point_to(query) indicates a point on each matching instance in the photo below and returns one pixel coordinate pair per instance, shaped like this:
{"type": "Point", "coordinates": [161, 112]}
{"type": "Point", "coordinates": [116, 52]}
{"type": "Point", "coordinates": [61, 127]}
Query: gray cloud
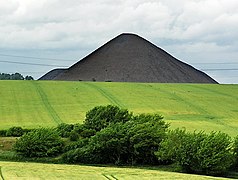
{"type": "Point", "coordinates": [195, 30]}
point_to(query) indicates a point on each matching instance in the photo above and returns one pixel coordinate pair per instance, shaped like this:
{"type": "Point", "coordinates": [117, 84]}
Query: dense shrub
{"type": "Point", "coordinates": [15, 76]}
{"type": "Point", "coordinates": [39, 143]}
{"type": "Point", "coordinates": [73, 135]}
{"type": "Point", "coordinates": [15, 131]}
{"type": "Point", "coordinates": [79, 128]}
{"type": "Point", "coordinates": [235, 151]}
{"type": "Point", "coordinates": [113, 135]}
{"type": "Point", "coordinates": [170, 146]}
{"type": "Point", "coordinates": [73, 152]}
{"type": "Point", "coordinates": [214, 154]}
{"type": "Point", "coordinates": [131, 142]}
{"type": "Point", "coordinates": [76, 144]}
{"type": "Point", "coordinates": [146, 133]}
{"type": "Point", "coordinates": [3, 133]}
{"type": "Point", "coordinates": [64, 129]}
{"type": "Point", "coordinates": [101, 116]}
{"type": "Point", "coordinates": [198, 152]}
{"type": "Point", "coordinates": [87, 133]}
{"type": "Point", "coordinates": [83, 131]}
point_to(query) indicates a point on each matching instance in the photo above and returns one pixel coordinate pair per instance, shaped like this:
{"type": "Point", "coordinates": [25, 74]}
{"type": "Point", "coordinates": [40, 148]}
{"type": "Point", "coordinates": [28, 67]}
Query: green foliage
{"type": "Point", "coordinates": [15, 131]}
{"type": "Point", "coordinates": [113, 135]}
{"type": "Point", "coordinates": [125, 142]}
{"type": "Point", "coordinates": [79, 128]}
{"type": "Point", "coordinates": [76, 144]}
{"type": "Point", "coordinates": [39, 143]}
{"type": "Point", "coordinates": [29, 78]}
{"type": "Point", "coordinates": [73, 135]}
{"type": "Point", "coordinates": [83, 132]}
{"type": "Point", "coordinates": [15, 76]}
{"type": "Point", "coordinates": [3, 133]}
{"type": "Point", "coordinates": [214, 154]}
{"type": "Point", "coordinates": [110, 145]}
{"type": "Point", "coordinates": [64, 129]}
{"type": "Point", "coordinates": [170, 145]}
{"type": "Point", "coordinates": [235, 150]}
{"type": "Point", "coordinates": [145, 135]}
{"type": "Point", "coordinates": [73, 152]}
{"type": "Point", "coordinates": [101, 116]}
{"type": "Point", "coordinates": [198, 152]}
{"type": "Point", "coordinates": [86, 133]}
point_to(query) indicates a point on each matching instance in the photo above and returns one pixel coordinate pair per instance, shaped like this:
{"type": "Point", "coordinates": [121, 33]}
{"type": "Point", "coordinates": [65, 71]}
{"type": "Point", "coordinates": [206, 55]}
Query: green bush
{"type": "Point", "coordinates": [235, 151]}
{"type": "Point", "coordinates": [3, 133]}
{"type": "Point", "coordinates": [83, 131]}
{"type": "Point", "coordinates": [79, 128]}
{"type": "Point", "coordinates": [129, 142]}
{"type": "Point", "coordinates": [170, 145]}
{"type": "Point", "coordinates": [39, 143]}
{"type": "Point", "coordinates": [197, 152]}
{"type": "Point", "coordinates": [78, 152]}
{"type": "Point", "coordinates": [64, 129]}
{"type": "Point", "coordinates": [146, 133]}
{"type": "Point", "coordinates": [87, 133]}
{"type": "Point", "coordinates": [76, 144]}
{"type": "Point", "coordinates": [73, 136]}
{"type": "Point", "coordinates": [214, 154]}
{"type": "Point", "coordinates": [15, 131]}
{"type": "Point", "coordinates": [101, 116]}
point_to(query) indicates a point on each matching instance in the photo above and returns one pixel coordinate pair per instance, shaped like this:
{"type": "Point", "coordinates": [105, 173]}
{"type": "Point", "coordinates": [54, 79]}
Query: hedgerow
{"type": "Point", "coordinates": [113, 135]}
{"type": "Point", "coordinates": [39, 143]}
{"type": "Point", "coordinates": [198, 152]}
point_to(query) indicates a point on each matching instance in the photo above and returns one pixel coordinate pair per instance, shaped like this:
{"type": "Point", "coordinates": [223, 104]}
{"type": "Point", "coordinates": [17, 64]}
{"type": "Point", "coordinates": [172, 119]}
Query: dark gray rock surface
{"type": "Point", "coordinates": [131, 58]}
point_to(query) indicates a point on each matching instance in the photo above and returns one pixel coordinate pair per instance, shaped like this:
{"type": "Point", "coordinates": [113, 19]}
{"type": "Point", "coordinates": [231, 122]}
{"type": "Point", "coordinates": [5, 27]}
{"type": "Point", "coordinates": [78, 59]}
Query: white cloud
{"type": "Point", "coordinates": [30, 22]}
{"type": "Point", "coordinates": [185, 27]}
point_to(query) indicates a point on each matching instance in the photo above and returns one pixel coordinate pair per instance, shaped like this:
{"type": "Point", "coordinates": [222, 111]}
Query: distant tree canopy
{"type": "Point", "coordinates": [15, 76]}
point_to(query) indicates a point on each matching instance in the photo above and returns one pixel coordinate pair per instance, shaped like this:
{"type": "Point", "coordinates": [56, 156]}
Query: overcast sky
{"type": "Point", "coordinates": [203, 33]}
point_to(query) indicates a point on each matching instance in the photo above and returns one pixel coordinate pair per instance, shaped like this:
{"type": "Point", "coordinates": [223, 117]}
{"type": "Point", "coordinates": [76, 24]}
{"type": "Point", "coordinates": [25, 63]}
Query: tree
{"type": "Point", "coordinates": [101, 116]}
{"type": "Point", "coordinates": [64, 129]}
{"type": "Point", "coordinates": [15, 76]}
{"type": "Point", "coordinates": [145, 135]}
{"type": "Point", "coordinates": [198, 152]}
{"type": "Point", "coordinates": [29, 78]}
{"type": "Point", "coordinates": [170, 146]}
{"type": "Point", "coordinates": [15, 131]}
{"type": "Point", "coordinates": [39, 143]}
{"type": "Point", "coordinates": [123, 142]}
{"type": "Point", "coordinates": [235, 150]}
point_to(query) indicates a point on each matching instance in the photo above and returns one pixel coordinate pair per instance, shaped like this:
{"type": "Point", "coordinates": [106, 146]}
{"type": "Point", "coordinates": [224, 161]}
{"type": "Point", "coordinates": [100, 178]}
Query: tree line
{"type": "Point", "coordinates": [15, 76]}
{"type": "Point", "coordinates": [110, 135]}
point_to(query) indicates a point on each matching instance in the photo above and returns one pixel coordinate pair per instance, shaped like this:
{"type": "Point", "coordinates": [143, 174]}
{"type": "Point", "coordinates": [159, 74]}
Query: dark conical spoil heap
{"type": "Point", "coordinates": [130, 58]}
{"type": "Point", "coordinates": [52, 74]}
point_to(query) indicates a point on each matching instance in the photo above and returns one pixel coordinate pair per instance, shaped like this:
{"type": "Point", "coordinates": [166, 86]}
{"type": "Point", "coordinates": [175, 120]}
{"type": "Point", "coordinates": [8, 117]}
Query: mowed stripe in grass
{"type": "Point", "coordinates": [21, 106]}
{"type": "Point", "coordinates": [53, 114]}
{"type": "Point", "coordinates": [19, 170]}
{"type": "Point", "coordinates": [193, 106]}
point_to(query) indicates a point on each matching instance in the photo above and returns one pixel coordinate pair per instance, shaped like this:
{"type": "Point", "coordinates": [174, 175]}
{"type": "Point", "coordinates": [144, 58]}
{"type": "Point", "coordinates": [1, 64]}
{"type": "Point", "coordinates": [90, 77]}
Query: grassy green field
{"type": "Point", "coordinates": [32, 104]}
{"type": "Point", "coordinates": [13, 170]}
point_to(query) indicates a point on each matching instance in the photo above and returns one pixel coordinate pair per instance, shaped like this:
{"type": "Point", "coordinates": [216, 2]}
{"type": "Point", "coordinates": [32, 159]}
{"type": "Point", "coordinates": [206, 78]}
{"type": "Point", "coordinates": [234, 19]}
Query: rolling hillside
{"type": "Point", "coordinates": [47, 103]}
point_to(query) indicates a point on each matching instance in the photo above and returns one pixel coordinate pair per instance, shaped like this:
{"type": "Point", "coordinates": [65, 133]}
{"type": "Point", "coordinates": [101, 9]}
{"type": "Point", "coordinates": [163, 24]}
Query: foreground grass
{"type": "Point", "coordinates": [17, 170]}
{"type": "Point", "coordinates": [32, 104]}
